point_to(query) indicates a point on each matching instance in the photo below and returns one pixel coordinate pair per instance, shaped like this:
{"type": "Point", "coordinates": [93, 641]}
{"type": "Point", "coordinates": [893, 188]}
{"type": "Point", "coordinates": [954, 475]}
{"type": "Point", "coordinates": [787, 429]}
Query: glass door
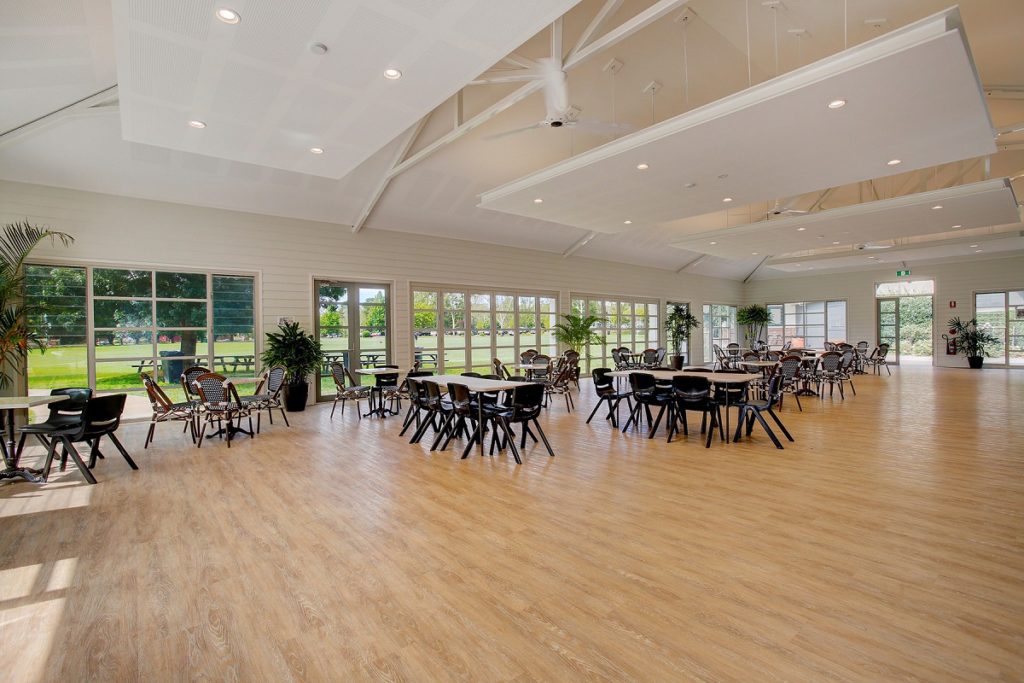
{"type": "Point", "coordinates": [352, 323]}
{"type": "Point", "coordinates": [889, 326]}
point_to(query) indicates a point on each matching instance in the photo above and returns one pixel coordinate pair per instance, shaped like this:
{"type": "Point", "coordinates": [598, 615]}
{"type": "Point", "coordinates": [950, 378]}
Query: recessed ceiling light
{"type": "Point", "coordinates": [228, 15]}
{"type": "Point", "coordinates": [810, 267]}
{"type": "Point", "coordinates": [800, 229]}
{"type": "Point", "coordinates": [837, 104]}
{"type": "Point", "coordinates": [392, 74]}
{"type": "Point", "coordinates": [642, 167]}
{"type": "Point", "coordinates": [936, 207]}
{"type": "Point", "coordinates": [318, 49]}
{"type": "Point", "coordinates": [713, 243]}
{"type": "Point", "coordinates": [973, 246]}
{"type": "Point", "coordinates": [627, 222]}
{"type": "Point", "coordinates": [894, 162]}
{"type": "Point", "coordinates": [978, 251]}
{"type": "Point", "coordinates": [316, 150]}
{"type": "Point", "coordinates": [958, 226]}
{"type": "Point", "coordinates": [727, 199]}
{"type": "Point", "coordinates": [753, 253]}
{"type": "Point", "coordinates": [690, 186]}
{"type": "Point", "coordinates": [723, 176]}
{"type": "Point", "coordinates": [538, 200]}
{"type": "Point", "coordinates": [195, 123]}
{"type": "Point", "coordinates": [871, 257]}
{"type": "Point", "coordinates": [836, 242]}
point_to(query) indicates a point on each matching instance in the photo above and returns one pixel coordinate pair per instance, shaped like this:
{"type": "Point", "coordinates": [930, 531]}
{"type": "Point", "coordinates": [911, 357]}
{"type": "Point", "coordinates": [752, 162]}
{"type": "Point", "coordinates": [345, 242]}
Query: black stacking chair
{"type": "Point", "coordinates": [521, 406]}
{"type": "Point", "coordinates": [647, 393]}
{"type": "Point", "coordinates": [100, 417]}
{"type": "Point", "coordinates": [604, 387]}
{"type": "Point", "coordinates": [752, 410]}
{"type": "Point", "coordinates": [461, 419]}
{"type": "Point", "coordinates": [693, 393]}
{"type": "Point", "coordinates": [437, 409]}
{"type": "Point", "coordinates": [62, 414]}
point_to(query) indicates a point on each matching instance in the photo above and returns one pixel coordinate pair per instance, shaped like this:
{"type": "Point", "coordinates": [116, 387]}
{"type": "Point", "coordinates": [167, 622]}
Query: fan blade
{"type": "Point", "coordinates": [515, 131]}
{"type": "Point", "coordinates": [602, 127]}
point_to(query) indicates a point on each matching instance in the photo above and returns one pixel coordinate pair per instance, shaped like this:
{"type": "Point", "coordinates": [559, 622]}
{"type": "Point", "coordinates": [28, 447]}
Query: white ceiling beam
{"type": "Point", "coordinates": [608, 9]}
{"type": "Point", "coordinates": [399, 156]}
{"type": "Point", "coordinates": [692, 263]}
{"type": "Point", "coordinates": [515, 77]}
{"type": "Point", "coordinates": [46, 120]}
{"type": "Point", "coordinates": [579, 244]}
{"type": "Point", "coordinates": [1012, 128]}
{"type": "Point", "coordinates": [756, 268]}
{"type": "Point", "coordinates": [521, 61]}
{"type": "Point", "coordinates": [625, 30]}
{"type": "Point", "coordinates": [474, 122]}
{"type": "Point", "coordinates": [556, 41]}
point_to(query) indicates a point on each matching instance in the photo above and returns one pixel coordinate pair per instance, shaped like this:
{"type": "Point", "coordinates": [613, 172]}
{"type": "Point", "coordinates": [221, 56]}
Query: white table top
{"type": "Point", "coordinates": [716, 377]}
{"type": "Point", "coordinates": [14, 402]}
{"type": "Point", "coordinates": [471, 383]}
{"type": "Point", "coordinates": [758, 363]}
{"type": "Point", "coordinates": [378, 371]}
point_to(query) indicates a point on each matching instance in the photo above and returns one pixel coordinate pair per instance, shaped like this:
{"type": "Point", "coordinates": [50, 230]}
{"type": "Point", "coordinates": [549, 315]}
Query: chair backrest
{"type": "Point", "coordinates": [706, 370]}
{"type": "Point", "coordinates": [433, 394]}
{"type": "Point", "coordinates": [789, 366]}
{"type": "Point", "coordinates": [733, 348]}
{"type": "Point", "coordinates": [848, 356]}
{"type": "Point", "coordinates": [774, 356]}
{"type": "Point", "coordinates": [541, 366]}
{"type": "Point", "coordinates": [77, 399]}
{"type": "Point", "coordinates": [751, 355]}
{"type": "Point", "coordinates": [774, 389]}
{"type": "Point", "coordinates": [883, 350]}
{"type": "Point", "coordinates": [862, 345]}
{"type": "Point", "coordinates": [830, 360]}
{"type": "Point", "coordinates": [188, 379]}
{"type": "Point", "coordinates": [102, 414]}
{"type": "Point", "coordinates": [417, 392]}
{"type": "Point", "coordinates": [650, 357]}
{"type": "Point", "coordinates": [339, 375]}
{"type": "Point", "coordinates": [526, 401]}
{"type": "Point", "coordinates": [617, 358]}
{"type": "Point", "coordinates": [527, 355]}
{"type": "Point", "coordinates": [459, 394]}
{"type": "Point", "coordinates": [829, 346]}
{"type": "Point", "coordinates": [691, 387]}
{"type": "Point", "coordinates": [500, 369]}
{"type": "Point", "coordinates": [786, 346]}
{"type": "Point", "coordinates": [275, 380]}
{"type": "Point", "coordinates": [844, 347]}
{"type": "Point", "coordinates": [157, 398]}
{"type": "Point", "coordinates": [662, 352]}
{"type": "Point", "coordinates": [389, 380]}
{"type": "Point", "coordinates": [471, 374]}
{"type": "Point", "coordinates": [642, 382]}
{"type": "Point", "coordinates": [215, 388]}
{"type": "Point", "coordinates": [601, 378]}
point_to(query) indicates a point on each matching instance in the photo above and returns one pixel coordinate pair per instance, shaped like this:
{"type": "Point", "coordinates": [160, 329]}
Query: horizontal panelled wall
{"type": "Point", "coordinates": [953, 282]}
{"type": "Point", "coordinates": [290, 253]}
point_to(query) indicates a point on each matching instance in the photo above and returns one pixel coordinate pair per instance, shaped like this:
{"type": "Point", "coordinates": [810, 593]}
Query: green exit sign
{"type": "Point", "coordinates": [901, 273]}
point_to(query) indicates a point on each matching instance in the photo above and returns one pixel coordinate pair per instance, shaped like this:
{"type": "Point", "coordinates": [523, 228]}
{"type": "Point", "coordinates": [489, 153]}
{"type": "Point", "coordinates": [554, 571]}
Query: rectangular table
{"type": "Point", "coordinates": [713, 377]}
{"type": "Point", "coordinates": [8, 405]}
{"type": "Point", "coordinates": [476, 385]}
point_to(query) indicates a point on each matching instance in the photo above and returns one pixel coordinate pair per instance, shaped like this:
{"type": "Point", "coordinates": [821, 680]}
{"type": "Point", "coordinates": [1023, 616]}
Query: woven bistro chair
{"type": "Point", "coordinates": [165, 410]}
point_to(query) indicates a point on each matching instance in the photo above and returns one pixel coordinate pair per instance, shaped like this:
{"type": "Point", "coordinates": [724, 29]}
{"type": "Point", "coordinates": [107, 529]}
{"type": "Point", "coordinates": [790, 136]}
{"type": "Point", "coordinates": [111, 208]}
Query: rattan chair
{"type": "Point", "coordinates": [165, 410]}
{"type": "Point", "coordinates": [347, 389]}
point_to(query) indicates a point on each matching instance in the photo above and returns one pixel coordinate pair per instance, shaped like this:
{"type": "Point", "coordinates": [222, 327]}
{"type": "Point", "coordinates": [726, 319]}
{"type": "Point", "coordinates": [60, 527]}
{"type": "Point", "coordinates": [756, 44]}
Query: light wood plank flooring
{"type": "Point", "coordinates": [886, 544]}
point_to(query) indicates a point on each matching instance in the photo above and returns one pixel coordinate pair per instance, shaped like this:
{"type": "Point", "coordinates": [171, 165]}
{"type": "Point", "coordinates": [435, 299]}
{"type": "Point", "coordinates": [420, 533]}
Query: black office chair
{"type": "Point", "coordinates": [101, 417]}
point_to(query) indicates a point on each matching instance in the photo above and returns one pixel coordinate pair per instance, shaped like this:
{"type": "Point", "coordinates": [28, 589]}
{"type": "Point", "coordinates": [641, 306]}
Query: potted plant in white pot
{"type": "Point", "coordinates": [972, 340]}
{"type": "Point", "coordinates": [679, 325]}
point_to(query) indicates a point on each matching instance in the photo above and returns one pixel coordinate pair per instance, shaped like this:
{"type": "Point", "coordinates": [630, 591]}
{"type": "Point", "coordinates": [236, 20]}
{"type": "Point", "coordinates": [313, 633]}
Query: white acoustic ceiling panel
{"type": "Point", "coordinates": [988, 203]}
{"type": "Point", "coordinates": [267, 98]}
{"type": "Point", "coordinates": [912, 94]}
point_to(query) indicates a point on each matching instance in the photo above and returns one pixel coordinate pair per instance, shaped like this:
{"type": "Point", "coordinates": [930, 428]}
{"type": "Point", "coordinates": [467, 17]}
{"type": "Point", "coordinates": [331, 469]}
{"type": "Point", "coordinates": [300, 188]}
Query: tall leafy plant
{"type": "Point", "coordinates": [970, 339]}
{"type": "Point", "coordinates": [679, 325]}
{"type": "Point", "coordinates": [754, 317]}
{"type": "Point", "coordinates": [16, 339]}
{"type": "Point", "coordinates": [575, 331]}
{"type": "Point", "coordinates": [297, 351]}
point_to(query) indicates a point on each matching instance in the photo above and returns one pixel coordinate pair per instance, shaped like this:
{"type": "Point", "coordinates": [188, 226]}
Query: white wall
{"type": "Point", "coordinates": [289, 253]}
{"type": "Point", "coordinates": [953, 282]}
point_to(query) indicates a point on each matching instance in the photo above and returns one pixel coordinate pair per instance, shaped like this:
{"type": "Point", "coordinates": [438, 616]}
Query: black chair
{"type": "Point", "coordinates": [461, 419]}
{"type": "Point", "coordinates": [604, 387]}
{"type": "Point", "coordinates": [101, 417]}
{"type": "Point", "coordinates": [63, 414]}
{"type": "Point", "coordinates": [693, 393]}
{"type": "Point", "coordinates": [647, 393]}
{"type": "Point", "coordinates": [791, 368]}
{"type": "Point", "coordinates": [388, 390]}
{"type": "Point", "coordinates": [752, 410]}
{"type": "Point", "coordinates": [522, 406]}
{"type": "Point", "coordinates": [436, 407]}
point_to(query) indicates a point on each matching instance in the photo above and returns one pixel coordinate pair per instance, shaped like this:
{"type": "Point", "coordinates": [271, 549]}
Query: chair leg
{"type": "Point", "coordinates": [739, 423]}
{"type": "Point", "coordinates": [202, 433]}
{"type": "Point", "coordinates": [768, 429]}
{"type": "Point", "coordinates": [441, 433]}
{"type": "Point", "coordinates": [70, 448]}
{"type": "Point", "coordinates": [50, 451]}
{"type": "Point", "coordinates": [781, 426]}
{"type": "Point", "coordinates": [512, 440]}
{"type": "Point", "coordinates": [657, 421]}
{"type": "Point", "coordinates": [543, 437]}
{"type": "Point", "coordinates": [124, 453]}
{"type": "Point", "coordinates": [149, 434]}
{"type": "Point", "coordinates": [596, 407]}
{"type": "Point", "coordinates": [285, 416]}
{"type": "Point", "coordinates": [632, 416]}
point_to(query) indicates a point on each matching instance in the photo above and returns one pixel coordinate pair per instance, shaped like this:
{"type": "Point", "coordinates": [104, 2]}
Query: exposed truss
{"type": "Point", "coordinates": [101, 102]}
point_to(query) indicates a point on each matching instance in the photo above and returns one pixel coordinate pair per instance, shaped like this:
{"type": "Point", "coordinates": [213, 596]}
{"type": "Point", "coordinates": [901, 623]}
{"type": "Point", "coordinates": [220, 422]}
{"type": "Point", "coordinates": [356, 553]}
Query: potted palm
{"type": "Point", "coordinates": [755, 317]}
{"type": "Point", "coordinates": [16, 337]}
{"type": "Point", "coordinates": [972, 340]}
{"type": "Point", "coordinates": [679, 325]}
{"type": "Point", "coordinates": [575, 331]}
{"type": "Point", "coordinates": [300, 354]}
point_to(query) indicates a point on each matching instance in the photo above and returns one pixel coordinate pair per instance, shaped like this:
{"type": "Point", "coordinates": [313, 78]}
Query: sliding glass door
{"type": "Point", "coordinates": [352, 323]}
{"type": "Point", "coordinates": [1002, 314]}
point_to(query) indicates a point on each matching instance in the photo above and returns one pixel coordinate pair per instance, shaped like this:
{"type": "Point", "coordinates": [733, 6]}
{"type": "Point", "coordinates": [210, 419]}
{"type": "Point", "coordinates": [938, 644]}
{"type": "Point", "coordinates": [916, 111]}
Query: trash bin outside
{"type": "Point", "coordinates": [172, 368]}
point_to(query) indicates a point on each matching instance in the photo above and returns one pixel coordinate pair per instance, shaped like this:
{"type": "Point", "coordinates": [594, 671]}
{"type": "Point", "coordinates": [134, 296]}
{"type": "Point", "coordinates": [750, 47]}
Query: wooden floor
{"type": "Point", "coordinates": [887, 543]}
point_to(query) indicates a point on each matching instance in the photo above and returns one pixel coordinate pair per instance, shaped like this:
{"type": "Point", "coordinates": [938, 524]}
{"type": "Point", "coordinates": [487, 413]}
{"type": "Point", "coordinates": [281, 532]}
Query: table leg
{"type": "Point", "coordinates": [480, 420]}
{"type": "Point", "coordinates": [11, 469]}
{"type": "Point", "coordinates": [728, 430]}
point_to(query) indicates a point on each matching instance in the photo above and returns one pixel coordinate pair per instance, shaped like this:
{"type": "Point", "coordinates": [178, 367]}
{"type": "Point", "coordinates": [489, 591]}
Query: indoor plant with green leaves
{"type": "Point", "coordinates": [576, 332]}
{"type": "Point", "coordinates": [971, 340]}
{"type": "Point", "coordinates": [300, 354]}
{"type": "Point", "coordinates": [755, 317]}
{"type": "Point", "coordinates": [16, 336]}
{"type": "Point", "coordinates": [679, 325]}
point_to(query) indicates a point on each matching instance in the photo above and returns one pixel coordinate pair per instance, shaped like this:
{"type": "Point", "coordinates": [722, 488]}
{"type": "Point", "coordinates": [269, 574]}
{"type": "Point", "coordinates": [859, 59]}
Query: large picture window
{"type": "Point", "coordinates": [464, 329]}
{"type": "Point", "coordinates": [807, 324]}
{"type": "Point", "coordinates": [353, 326]}
{"type": "Point", "coordinates": [142, 321]}
{"type": "Point", "coordinates": [630, 322]}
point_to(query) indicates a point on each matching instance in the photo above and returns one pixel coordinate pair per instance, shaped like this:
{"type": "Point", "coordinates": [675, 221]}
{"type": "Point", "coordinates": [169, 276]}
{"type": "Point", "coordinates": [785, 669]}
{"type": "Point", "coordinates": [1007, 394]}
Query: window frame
{"type": "Point", "coordinates": [153, 328]}
{"type": "Point", "coordinates": [825, 318]}
{"type": "Point", "coordinates": [1005, 361]}
{"type": "Point", "coordinates": [604, 360]}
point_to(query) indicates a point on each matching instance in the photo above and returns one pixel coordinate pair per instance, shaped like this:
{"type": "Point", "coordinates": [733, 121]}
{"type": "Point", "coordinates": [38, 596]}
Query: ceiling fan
{"type": "Point", "coordinates": [559, 112]}
{"type": "Point", "coordinates": [871, 246]}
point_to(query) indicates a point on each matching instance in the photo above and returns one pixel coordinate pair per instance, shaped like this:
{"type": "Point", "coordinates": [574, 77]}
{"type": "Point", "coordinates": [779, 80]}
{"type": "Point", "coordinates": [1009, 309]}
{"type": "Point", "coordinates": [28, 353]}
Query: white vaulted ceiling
{"type": "Point", "coordinates": [267, 98]}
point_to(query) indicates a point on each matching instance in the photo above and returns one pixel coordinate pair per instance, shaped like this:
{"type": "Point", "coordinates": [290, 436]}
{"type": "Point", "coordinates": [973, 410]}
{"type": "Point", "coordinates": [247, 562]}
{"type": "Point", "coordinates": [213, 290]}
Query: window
{"type": "Point", "coordinates": [142, 321]}
{"type": "Point", "coordinates": [633, 323]}
{"type": "Point", "coordinates": [352, 324]}
{"type": "Point", "coordinates": [1002, 314]}
{"type": "Point", "coordinates": [462, 329]}
{"type": "Point", "coordinates": [905, 288]}
{"type": "Point", "coordinates": [807, 324]}
{"type": "Point", "coordinates": [719, 328]}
